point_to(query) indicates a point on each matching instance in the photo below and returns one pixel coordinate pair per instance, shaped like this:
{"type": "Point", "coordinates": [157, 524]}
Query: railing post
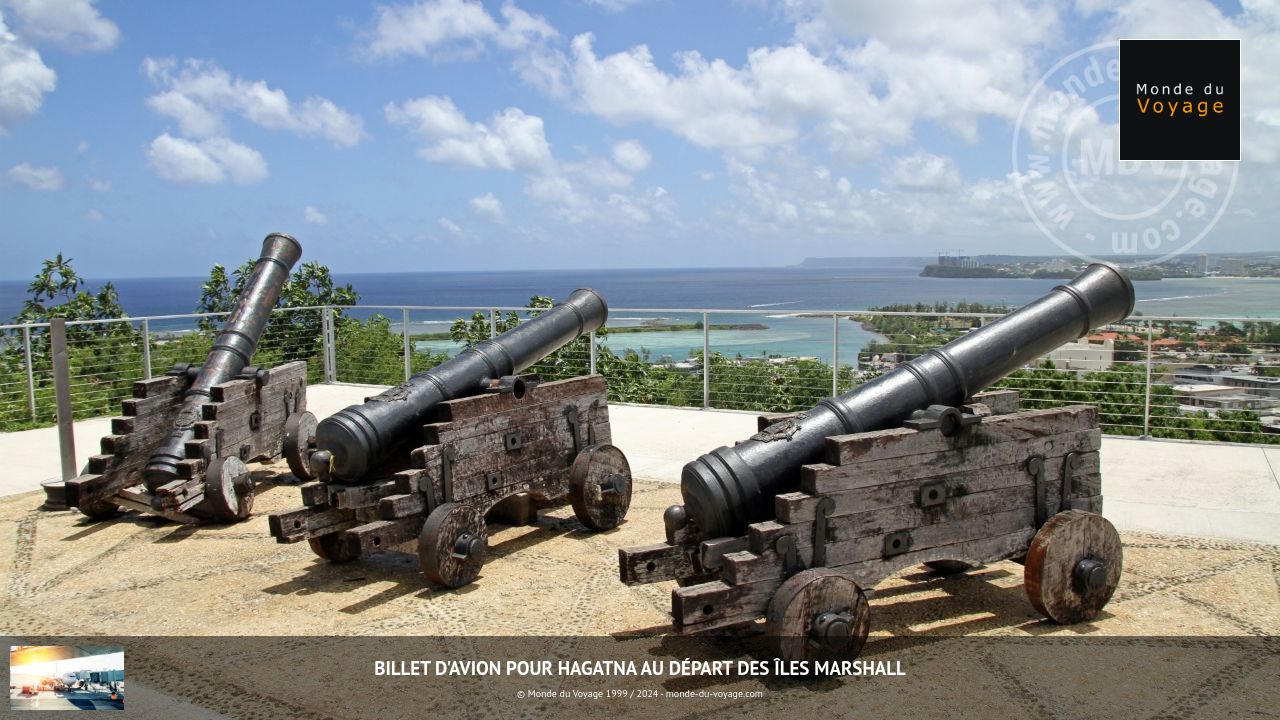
{"type": "Point", "coordinates": [706, 361]}
{"type": "Point", "coordinates": [62, 393]}
{"type": "Point", "coordinates": [146, 349]}
{"type": "Point", "coordinates": [31, 375]}
{"type": "Point", "coordinates": [1146, 401]}
{"type": "Point", "coordinates": [493, 323]}
{"type": "Point", "coordinates": [326, 339]}
{"type": "Point", "coordinates": [835, 355]}
{"type": "Point", "coordinates": [591, 338]}
{"type": "Point", "coordinates": [405, 322]}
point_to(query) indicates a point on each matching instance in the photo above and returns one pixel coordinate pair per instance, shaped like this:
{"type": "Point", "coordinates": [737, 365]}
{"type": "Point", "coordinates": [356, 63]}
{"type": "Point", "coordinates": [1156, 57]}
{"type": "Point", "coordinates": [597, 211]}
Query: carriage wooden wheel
{"type": "Point", "coordinates": [452, 545]}
{"type": "Point", "coordinates": [818, 614]}
{"type": "Point", "coordinates": [1073, 566]}
{"type": "Point", "coordinates": [228, 489]}
{"type": "Point", "coordinates": [600, 487]}
{"type": "Point", "coordinates": [298, 444]}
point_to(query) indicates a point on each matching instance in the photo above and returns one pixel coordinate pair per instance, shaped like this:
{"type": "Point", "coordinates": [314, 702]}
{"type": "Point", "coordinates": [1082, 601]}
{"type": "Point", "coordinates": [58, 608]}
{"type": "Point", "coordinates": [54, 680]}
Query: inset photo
{"type": "Point", "coordinates": [66, 677]}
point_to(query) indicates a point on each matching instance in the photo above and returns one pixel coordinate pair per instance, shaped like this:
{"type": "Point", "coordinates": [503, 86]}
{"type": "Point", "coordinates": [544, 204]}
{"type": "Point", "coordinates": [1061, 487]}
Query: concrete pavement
{"type": "Point", "coordinates": [1201, 489]}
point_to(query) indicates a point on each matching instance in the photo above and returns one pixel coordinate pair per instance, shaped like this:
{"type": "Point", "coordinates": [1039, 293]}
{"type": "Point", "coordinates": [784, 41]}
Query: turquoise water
{"type": "Point", "coordinates": [769, 293]}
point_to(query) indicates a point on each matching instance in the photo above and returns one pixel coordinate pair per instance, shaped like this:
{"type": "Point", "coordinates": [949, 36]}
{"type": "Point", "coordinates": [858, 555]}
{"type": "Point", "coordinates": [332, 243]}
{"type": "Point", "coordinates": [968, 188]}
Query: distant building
{"type": "Point", "coordinates": [1202, 264]}
{"type": "Point", "coordinates": [1268, 386]}
{"type": "Point", "coordinates": [1232, 266]}
{"type": "Point", "coordinates": [1084, 356]}
{"type": "Point", "coordinates": [1219, 397]}
{"type": "Point", "coordinates": [963, 261]}
{"type": "Point", "coordinates": [1056, 265]}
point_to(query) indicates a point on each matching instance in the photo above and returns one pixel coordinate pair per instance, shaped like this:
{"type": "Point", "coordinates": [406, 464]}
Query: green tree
{"type": "Point", "coordinates": [103, 357]}
{"type": "Point", "coordinates": [295, 329]}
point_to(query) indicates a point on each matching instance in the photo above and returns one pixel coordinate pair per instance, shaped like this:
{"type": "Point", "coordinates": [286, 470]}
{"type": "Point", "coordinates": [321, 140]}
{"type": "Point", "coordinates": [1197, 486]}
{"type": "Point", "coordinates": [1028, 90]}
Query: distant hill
{"type": "Point", "coordinates": [837, 262]}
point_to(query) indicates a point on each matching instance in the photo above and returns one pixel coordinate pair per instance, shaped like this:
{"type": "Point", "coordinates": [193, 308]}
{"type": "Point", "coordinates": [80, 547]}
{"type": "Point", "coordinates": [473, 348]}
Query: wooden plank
{"type": "Point", "coordinates": [491, 403]}
{"type": "Point", "coordinates": [291, 526]}
{"type": "Point", "coordinates": [314, 493]}
{"type": "Point", "coordinates": [142, 407]}
{"type": "Point", "coordinates": [748, 568]}
{"type": "Point", "coordinates": [717, 605]}
{"type": "Point", "coordinates": [827, 479]}
{"type": "Point", "coordinates": [799, 506]}
{"type": "Point", "coordinates": [1001, 402]}
{"type": "Point", "coordinates": [900, 442]}
{"type": "Point", "coordinates": [393, 507]}
{"type": "Point", "coordinates": [591, 410]}
{"type": "Point", "coordinates": [167, 385]}
{"type": "Point", "coordinates": [347, 497]}
{"type": "Point", "coordinates": [382, 535]}
{"type": "Point", "coordinates": [871, 547]}
{"type": "Point", "coordinates": [654, 563]}
{"type": "Point", "coordinates": [711, 552]}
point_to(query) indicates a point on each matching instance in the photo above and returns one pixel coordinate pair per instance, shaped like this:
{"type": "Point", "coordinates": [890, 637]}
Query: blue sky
{"type": "Point", "coordinates": [152, 139]}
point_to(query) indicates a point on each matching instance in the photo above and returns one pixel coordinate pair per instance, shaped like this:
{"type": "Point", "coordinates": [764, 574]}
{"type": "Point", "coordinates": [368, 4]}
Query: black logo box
{"type": "Point", "coordinates": [1160, 77]}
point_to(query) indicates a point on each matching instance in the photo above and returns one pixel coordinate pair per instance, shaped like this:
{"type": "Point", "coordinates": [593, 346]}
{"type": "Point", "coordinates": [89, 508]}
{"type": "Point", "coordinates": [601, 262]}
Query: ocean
{"type": "Point", "coordinates": [770, 295]}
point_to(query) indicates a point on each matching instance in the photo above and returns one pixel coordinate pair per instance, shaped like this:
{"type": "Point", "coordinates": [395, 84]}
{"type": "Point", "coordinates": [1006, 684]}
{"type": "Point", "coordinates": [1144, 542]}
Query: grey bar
{"type": "Point", "coordinates": [62, 391]}
{"type": "Point", "coordinates": [706, 361]}
{"type": "Point", "coordinates": [326, 342]}
{"type": "Point", "coordinates": [31, 377]}
{"type": "Point", "coordinates": [592, 339]}
{"type": "Point", "coordinates": [146, 349]}
{"type": "Point", "coordinates": [1146, 400]}
{"type": "Point", "coordinates": [835, 354]}
{"type": "Point", "coordinates": [405, 323]}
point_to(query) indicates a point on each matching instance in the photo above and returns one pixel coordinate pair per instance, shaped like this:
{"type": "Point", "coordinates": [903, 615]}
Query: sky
{"type": "Point", "coordinates": [155, 139]}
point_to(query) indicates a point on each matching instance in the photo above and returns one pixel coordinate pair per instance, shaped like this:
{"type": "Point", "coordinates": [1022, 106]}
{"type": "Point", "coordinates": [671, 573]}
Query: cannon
{"type": "Point", "coordinates": [424, 464]}
{"type": "Point", "coordinates": [915, 466]}
{"type": "Point", "coordinates": [361, 437]}
{"type": "Point", "coordinates": [231, 353]}
{"type": "Point", "coordinates": [180, 449]}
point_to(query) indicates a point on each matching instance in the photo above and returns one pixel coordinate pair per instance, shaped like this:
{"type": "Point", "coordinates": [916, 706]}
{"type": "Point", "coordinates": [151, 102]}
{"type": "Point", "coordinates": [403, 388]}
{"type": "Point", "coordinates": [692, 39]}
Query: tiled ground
{"type": "Point", "coordinates": [1159, 645]}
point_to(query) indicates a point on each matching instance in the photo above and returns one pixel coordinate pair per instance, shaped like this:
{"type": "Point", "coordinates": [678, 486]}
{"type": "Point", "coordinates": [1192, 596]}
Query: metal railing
{"type": "Point", "coordinates": [1212, 379]}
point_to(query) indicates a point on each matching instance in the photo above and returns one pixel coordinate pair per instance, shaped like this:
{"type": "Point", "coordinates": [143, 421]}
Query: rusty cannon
{"type": "Point", "coordinates": [429, 460]}
{"type": "Point", "coordinates": [180, 449]}
{"type": "Point", "coordinates": [917, 466]}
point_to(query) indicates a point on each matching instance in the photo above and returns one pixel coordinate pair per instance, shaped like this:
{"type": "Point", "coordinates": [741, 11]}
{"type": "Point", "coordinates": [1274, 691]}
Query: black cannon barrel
{"type": "Point", "coordinates": [730, 488]}
{"type": "Point", "coordinates": [231, 351]}
{"type": "Point", "coordinates": [361, 436]}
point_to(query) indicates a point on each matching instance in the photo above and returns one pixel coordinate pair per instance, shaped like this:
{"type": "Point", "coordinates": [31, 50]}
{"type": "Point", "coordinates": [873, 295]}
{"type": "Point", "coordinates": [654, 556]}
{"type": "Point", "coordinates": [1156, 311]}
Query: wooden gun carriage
{"type": "Point", "coordinates": [246, 419]}
{"type": "Point", "coordinates": [506, 453]}
{"type": "Point", "coordinates": [951, 489]}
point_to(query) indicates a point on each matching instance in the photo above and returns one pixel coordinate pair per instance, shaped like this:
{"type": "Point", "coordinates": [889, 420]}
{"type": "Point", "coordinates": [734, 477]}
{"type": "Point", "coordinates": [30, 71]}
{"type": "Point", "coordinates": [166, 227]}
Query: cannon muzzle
{"type": "Point", "coordinates": [361, 437]}
{"type": "Point", "coordinates": [231, 351]}
{"type": "Point", "coordinates": [732, 487]}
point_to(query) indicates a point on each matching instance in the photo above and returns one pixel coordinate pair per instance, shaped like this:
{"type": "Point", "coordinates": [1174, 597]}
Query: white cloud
{"type": "Point", "coordinates": [631, 155]}
{"type": "Point", "coordinates": [99, 185]}
{"type": "Point", "coordinates": [198, 94]}
{"type": "Point", "coordinates": [444, 28]}
{"type": "Point", "coordinates": [206, 162]}
{"type": "Point", "coordinates": [47, 179]}
{"type": "Point", "coordinates": [314, 216]}
{"type": "Point", "coordinates": [82, 147]}
{"type": "Point", "coordinates": [71, 25]}
{"type": "Point", "coordinates": [924, 172]}
{"type": "Point", "coordinates": [488, 206]}
{"type": "Point", "coordinates": [511, 140]}
{"type": "Point", "coordinates": [452, 227]}
{"type": "Point", "coordinates": [93, 215]}
{"type": "Point", "coordinates": [24, 79]}
{"type": "Point", "coordinates": [614, 5]}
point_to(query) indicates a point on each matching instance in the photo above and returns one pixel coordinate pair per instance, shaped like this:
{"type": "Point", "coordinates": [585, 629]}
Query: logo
{"type": "Point", "coordinates": [1082, 196]}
